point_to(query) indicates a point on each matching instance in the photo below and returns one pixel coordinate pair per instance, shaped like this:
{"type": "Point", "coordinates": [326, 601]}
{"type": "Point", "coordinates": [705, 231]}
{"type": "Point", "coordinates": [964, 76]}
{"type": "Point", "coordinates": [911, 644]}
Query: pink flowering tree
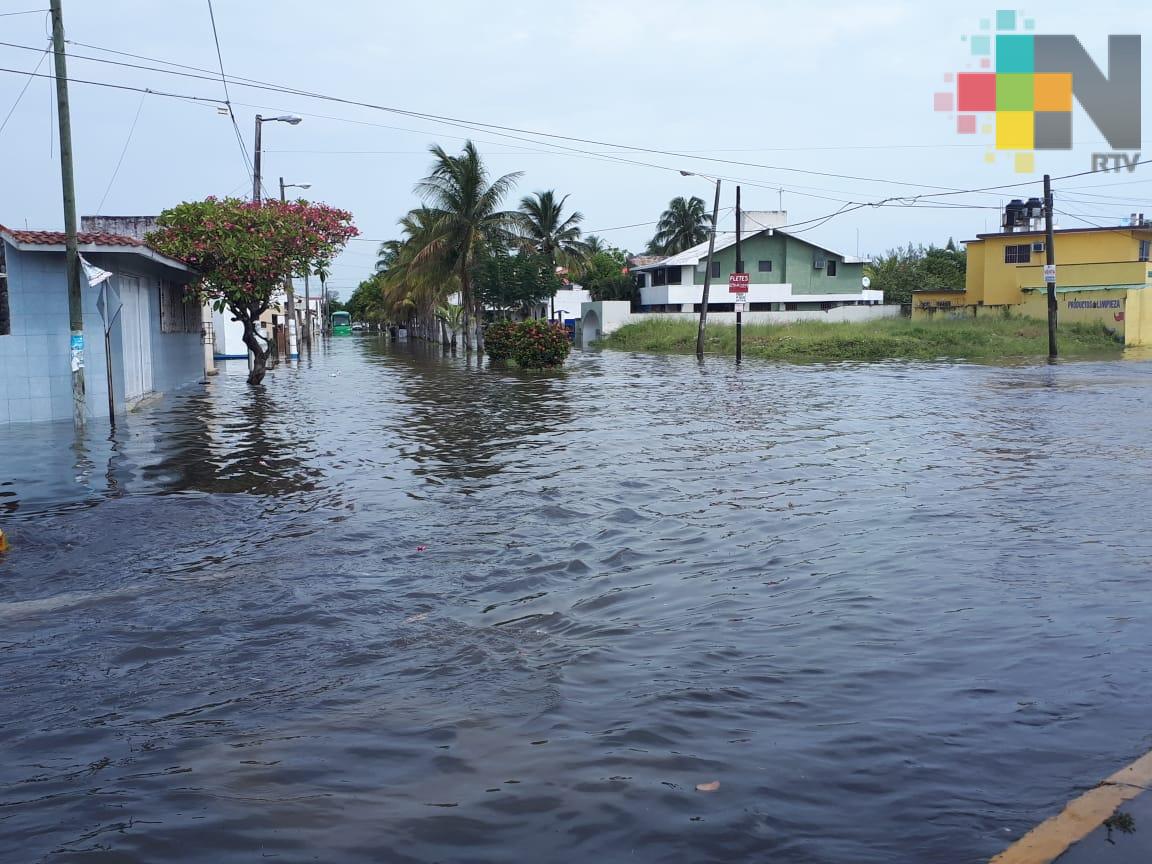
{"type": "Point", "coordinates": [241, 251]}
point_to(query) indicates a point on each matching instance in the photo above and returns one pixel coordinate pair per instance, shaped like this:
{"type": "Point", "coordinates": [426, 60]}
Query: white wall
{"type": "Point", "coordinates": [776, 292]}
{"type": "Point", "coordinates": [600, 319]}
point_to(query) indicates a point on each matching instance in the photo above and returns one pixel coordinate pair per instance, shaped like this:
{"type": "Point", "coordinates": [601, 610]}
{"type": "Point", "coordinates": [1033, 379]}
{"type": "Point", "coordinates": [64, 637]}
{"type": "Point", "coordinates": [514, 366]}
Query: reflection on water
{"type": "Point", "coordinates": [393, 607]}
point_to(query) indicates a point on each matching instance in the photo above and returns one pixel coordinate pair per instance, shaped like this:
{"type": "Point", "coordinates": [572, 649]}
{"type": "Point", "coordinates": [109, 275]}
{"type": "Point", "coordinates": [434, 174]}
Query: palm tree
{"type": "Point", "coordinates": [543, 229]}
{"type": "Point", "coordinates": [386, 254]}
{"type": "Point", "coordinates": [415, 283]}
{"type": "Point", "coordinates": [683, 225]}
{"type": "Point", "coordinates": [595, 244]}
{"type": "Point", "coordinates": [465, 214]}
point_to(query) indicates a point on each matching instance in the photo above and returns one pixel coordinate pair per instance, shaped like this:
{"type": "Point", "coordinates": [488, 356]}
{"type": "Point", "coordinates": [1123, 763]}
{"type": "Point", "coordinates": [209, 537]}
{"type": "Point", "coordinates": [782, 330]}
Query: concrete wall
{"type": "Point", "coordinates": [600, 319]}
{"type": "Point", "coordinates": [35, 375]}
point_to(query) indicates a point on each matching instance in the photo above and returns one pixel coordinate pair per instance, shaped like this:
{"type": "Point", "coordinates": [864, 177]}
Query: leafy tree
{"type": "Point", "coordinates": [515, 283]}
{"type": "Point", "coordinates": [684, 224]}
{"type": "Point", "coordinates": [465, 220]}
{"type": "Point", "coordinates": [366, 302]}
{"type": "Point", "coordinates": [605, 276]}
{"type": "Point", "coordinates": [899, 272]}
{"type": "Point", "coordinates": [240, 251]}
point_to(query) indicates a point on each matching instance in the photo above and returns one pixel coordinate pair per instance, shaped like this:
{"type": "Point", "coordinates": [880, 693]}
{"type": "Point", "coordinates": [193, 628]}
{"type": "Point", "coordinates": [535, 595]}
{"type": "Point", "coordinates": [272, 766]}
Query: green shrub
{"type": "Point", "coordinates": [529, 344]}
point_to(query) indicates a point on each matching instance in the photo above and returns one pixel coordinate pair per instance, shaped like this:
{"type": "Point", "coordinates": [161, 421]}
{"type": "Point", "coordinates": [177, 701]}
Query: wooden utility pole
{"type": "Point", "coordinates": [1050, 259]}
{"type": "Point", "coordinates": [739, 305]}
{"type": "Point", "coordinates": [71, 243]}
{"type": "Point", "coordinates": [707, 275]}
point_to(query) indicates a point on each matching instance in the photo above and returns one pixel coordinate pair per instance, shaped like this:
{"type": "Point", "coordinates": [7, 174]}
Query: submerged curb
{"type": "Point", "coordinates": [1053, 837]}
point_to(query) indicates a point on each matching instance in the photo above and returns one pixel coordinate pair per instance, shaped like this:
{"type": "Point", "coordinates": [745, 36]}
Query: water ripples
{"type": "Point", "coordinates": [396, 608]}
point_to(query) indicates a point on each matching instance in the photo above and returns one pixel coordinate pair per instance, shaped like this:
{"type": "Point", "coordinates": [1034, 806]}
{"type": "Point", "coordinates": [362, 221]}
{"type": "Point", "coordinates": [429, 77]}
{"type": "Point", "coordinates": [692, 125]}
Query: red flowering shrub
{"type": "Point", "coordinates": [530, 344]}
{"type": "Point", "coordinates": [241, 251]}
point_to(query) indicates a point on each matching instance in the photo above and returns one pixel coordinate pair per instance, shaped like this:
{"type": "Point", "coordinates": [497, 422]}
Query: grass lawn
{"type": "Point", "coordinates": [893, 338]}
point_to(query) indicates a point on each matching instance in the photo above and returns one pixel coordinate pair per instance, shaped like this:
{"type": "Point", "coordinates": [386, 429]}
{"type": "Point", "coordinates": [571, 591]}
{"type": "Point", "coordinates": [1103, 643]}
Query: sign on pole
{"type": "Point", "coordinates": [738, 283]}
{"type": "Point", "coordinates": [1049, 272]}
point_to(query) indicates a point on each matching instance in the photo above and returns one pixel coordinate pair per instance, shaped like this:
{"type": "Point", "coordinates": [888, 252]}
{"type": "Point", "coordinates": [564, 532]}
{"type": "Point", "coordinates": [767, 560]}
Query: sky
{"type": "Point", "coordinates": [831, 102]}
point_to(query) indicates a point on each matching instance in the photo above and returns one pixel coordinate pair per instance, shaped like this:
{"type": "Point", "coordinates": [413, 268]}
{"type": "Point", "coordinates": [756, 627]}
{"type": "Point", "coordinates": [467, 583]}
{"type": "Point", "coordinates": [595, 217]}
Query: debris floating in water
{"type": "Point", "coordinates": [421, 548]}
{"type": "Point", "coordinates": [708, 787]}
{"type": "Point", "coordinates": [4, 547]}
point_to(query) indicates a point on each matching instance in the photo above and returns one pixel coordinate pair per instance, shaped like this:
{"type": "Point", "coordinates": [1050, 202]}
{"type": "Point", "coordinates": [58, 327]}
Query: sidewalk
{"type": "Point", "coordinates": [1077, 834]}
{"type": "Point", "coordinates": [1133, 848]}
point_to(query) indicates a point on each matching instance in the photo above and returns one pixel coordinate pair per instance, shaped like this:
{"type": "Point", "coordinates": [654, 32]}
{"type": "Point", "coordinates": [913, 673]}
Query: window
{"type": "Point", "coordinates": [1021, 254]}
{"type": "Point", "coordinates": [179, 313]}
{"type": "Point", "coordinates": [674, 274]}
{"type": "Point", "coordinates": [659, 276]}
{"type": "Point", "coordinates": [5, 313]}
{"type": "Point", "coordinates": [764, 267]}
{"type": "Point", "coordinates": [715, 269]}
{"type": "Point", "coordinates": [1145, 248]}
{"type": "Point", "coordinates": [831, 268]}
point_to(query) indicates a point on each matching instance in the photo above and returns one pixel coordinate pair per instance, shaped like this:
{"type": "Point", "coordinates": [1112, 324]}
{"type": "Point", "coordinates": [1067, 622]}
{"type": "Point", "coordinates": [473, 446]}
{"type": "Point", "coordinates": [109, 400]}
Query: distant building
{"type": "Point", "coordinates": [155, 339]}
{"type": "Point", "coordinates": [786, 274]}
{"type": "Point", "coordinates": [1102, 274]}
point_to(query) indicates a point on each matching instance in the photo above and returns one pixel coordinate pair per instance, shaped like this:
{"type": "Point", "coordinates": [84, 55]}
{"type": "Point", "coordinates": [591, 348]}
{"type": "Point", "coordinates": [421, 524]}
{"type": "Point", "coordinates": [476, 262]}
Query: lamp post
{"type": "Point", "coordinates": [291, 119]}
{"type": "Point", "coordinates": [289, 293]}
{"type": "Point", "coordinates": [708, 266]}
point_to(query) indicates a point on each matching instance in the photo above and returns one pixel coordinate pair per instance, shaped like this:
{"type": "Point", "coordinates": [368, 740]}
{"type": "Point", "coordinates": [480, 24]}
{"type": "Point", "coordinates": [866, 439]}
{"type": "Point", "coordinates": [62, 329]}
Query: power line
{"type": "Point", "coordinates": [120, 161]}
{"type": "Point", "coordinates": [227, 97]}
{"type": "Point", "coordinates": [25, 12]}
{"type": "Point", "coordinates": [492, 129]}
{"type": "Point", "coordinates": [27, 84]}
{"type": "Point", "coordinates": [846, 206]}
{"type": "Point", "coordinates": [497, 129]}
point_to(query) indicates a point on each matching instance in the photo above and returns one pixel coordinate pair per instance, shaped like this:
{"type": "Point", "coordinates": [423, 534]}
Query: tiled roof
{"type": "Point", "coordinates": [57, 238]}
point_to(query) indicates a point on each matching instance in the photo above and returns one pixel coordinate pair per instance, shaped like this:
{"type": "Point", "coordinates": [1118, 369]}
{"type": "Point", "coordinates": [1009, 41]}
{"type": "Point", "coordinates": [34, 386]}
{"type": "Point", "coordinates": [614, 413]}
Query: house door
{"type": "Point", "coordinates": [136, 326]}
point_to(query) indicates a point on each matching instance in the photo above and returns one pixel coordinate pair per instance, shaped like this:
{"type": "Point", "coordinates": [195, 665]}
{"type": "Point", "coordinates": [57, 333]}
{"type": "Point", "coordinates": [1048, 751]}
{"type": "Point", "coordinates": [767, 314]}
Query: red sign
{"type": "Point", "coordinates": [738, 283]}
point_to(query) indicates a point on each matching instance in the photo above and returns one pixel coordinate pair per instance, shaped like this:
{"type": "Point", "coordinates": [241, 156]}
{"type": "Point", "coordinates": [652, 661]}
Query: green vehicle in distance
{"type": "Point", "coordinates": [341, 324]}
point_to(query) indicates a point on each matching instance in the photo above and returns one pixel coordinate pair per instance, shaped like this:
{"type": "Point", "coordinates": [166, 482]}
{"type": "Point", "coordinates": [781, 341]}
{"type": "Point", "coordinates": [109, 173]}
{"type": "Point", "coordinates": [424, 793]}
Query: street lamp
{"type": "Point", "coordinates": [708, 266]}
{"type": "Point", "coordinates": [291, 119]}
{"type": "Point", "coordinates": [284, 186]}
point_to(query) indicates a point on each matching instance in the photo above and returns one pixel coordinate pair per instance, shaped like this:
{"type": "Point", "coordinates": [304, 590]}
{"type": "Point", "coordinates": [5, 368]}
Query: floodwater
{"type": "Point", "coordinates": [391, 608]}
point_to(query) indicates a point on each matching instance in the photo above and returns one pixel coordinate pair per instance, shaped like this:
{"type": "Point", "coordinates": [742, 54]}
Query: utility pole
{"type": "Point", "coordinates": [256, 162]}
{"type": "Point", "coordinates": [289, 293]}
{"type": "Point", "coordinates": [307, 311]}
{"type": "Point", "coordinates": [71, 243]}
{"type": "Point", "coordinates": [739, 305]}
{"type": "Point", "coordinates": [707, 274]}
{"type": "Point", "coordinates": [1050, 259]}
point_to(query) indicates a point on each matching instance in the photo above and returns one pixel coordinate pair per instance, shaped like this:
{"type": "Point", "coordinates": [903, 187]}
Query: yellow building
{"type": "Point", "coordinates": [1102, 274]}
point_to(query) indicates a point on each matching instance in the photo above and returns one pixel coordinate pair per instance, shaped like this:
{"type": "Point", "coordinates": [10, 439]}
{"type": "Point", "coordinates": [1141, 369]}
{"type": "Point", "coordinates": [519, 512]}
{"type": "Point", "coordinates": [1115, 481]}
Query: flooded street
{"type": "Point", "coordinates": [394, 608]}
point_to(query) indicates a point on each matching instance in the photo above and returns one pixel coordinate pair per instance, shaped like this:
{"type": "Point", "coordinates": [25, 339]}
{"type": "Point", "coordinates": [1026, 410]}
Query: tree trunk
{"type": "Point", "coordinates": [249, 317]}
{"type": "Point", "coordinates": [479, 324]}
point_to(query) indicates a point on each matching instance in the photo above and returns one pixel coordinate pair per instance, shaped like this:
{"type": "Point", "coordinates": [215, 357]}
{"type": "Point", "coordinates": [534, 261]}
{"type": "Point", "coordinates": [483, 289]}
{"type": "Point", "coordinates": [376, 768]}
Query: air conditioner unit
{"type": "Point", "coordinates": [1038, 247]}
{"type": "Point", "coordinates": [818, 263]}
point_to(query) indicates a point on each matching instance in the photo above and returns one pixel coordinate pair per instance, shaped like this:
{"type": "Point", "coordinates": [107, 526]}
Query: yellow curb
{"type": "Point", "coordinates": [1051, 838]}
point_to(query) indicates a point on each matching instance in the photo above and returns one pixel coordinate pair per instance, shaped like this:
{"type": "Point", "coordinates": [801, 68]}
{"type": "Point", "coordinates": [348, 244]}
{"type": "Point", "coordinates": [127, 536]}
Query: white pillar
{"type": "Point", "coordinates": [208, 338]}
